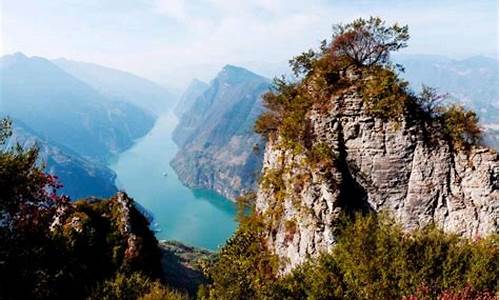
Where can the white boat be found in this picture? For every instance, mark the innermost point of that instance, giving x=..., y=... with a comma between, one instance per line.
x=165, y=174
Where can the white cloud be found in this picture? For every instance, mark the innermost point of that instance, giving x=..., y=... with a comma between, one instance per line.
x=175, y=9
x=172, y=41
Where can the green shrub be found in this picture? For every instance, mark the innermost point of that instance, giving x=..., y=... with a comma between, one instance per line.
x=266, y=124
x=318, y=279
x=374, y=258
x=385, y=94
x=135, y=286
x=287, y=105
x=461, y=125
x=321, y=155
x=159, y=292
x=244, y=268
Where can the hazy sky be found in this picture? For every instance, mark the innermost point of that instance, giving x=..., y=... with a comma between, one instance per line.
x=171, y=41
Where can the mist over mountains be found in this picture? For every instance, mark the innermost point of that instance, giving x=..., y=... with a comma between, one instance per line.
x=249, y=150
x=67, y=110
x=324, y=153
x=81, y=177
x=95, y=112
x=120, y=86
x=472, y=82
x=79, y=122
x=208, y=115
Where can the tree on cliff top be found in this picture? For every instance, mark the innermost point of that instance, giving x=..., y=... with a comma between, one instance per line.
x=368, y=42
x=363, y=43
x=359, y=56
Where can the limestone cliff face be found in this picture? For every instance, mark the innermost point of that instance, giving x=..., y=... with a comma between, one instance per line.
x=377, y=166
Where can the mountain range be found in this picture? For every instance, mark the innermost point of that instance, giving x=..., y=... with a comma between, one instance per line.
x=120, y=85
x=79, y=176
x=472, y=82
x=78, y=115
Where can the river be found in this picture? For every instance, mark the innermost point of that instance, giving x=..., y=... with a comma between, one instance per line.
x=199, y=218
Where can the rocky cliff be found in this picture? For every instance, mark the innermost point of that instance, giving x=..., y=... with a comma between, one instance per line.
x=373, y=165
x=218, y=147
x=133, y=242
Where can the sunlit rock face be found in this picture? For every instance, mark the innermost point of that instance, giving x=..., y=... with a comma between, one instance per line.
x=378, y=166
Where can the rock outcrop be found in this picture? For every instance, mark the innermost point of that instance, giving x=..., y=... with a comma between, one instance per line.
x=133, y=245
x=376, y=166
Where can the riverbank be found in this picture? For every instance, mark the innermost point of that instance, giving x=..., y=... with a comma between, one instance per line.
x=199, y=218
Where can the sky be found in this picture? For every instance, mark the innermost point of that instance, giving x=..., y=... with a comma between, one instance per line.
x=173, y=41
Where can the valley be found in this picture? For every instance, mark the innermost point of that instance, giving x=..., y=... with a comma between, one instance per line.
x=196, y=217
x=341, y=181
x=249, y=150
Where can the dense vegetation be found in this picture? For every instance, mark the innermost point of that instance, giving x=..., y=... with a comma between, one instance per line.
x=374, y=258
x=358, y=60
x=55, y=249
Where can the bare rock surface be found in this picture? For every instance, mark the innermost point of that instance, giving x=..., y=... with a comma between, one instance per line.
x=378, y=166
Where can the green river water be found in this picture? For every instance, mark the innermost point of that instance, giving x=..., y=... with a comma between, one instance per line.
x=196, y=217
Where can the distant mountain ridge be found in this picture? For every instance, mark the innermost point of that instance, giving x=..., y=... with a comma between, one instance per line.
x=216, y=136
x=71, y=113
x=120, y=85
x=193, y=91
x=77, y=128
x=472, y=81
x=80, y=177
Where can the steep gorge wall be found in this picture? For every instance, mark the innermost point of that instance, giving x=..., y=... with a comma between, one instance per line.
x=376, y=166
x=216, y=137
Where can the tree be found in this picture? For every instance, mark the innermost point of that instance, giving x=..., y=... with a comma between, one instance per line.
x=461, y=125
x=5, y=129
x=28, y=201
x=430, y=101
x=27, y=190
x=367, y=42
